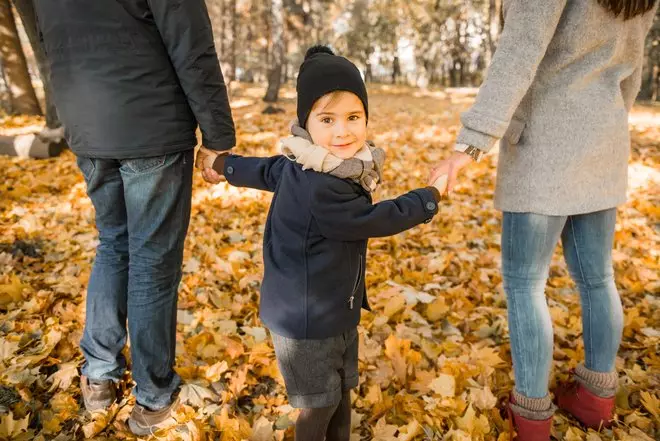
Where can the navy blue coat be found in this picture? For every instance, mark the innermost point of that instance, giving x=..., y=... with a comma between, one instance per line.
x=134, y=78
x=315, y=243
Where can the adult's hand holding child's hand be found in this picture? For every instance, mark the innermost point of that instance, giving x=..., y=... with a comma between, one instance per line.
x=204, y=161
x=443, y=175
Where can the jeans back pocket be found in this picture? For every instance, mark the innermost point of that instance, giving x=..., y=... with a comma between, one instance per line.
x=142, y=165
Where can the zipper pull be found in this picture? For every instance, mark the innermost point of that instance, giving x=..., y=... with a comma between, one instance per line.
x=350, y=302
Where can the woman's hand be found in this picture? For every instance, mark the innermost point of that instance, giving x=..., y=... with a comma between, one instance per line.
x=450, y=168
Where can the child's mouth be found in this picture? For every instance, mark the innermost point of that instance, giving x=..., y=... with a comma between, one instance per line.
x=342, y=146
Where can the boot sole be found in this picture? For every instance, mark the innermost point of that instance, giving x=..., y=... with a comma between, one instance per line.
x=98, y=406
x=139, y=430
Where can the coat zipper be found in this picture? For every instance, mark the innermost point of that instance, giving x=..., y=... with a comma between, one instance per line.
x=351, y=299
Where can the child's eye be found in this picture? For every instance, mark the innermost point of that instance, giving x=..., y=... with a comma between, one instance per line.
x=354, y=117
x=326, y=120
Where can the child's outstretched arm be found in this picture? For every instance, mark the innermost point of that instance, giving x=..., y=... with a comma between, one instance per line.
x=252, y=172
x=342, y=214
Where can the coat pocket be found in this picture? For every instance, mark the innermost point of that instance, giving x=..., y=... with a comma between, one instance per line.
x=515, y=131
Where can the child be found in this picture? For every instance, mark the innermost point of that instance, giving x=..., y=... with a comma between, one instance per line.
x=315, y=240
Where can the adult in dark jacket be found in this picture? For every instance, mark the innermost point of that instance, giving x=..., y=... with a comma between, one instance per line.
x=132, y=80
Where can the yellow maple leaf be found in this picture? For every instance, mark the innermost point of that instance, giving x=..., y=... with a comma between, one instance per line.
x=12, y=291
x=262, y=430
x=396, y=350
x=472, y=424
x=652, y=404
x=437, y=309
x=444, y=385
x=395, y=305
x=66, y=373
x=409, y=432
x=196, y=395
x=9, y=427
x=574, y=434
x=384, y=431
x=214, y=372
x=483, y=399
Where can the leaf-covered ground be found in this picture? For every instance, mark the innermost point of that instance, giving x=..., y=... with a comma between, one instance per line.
x=434, y=354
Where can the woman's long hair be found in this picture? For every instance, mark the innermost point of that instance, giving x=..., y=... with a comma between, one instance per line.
x=627, y=8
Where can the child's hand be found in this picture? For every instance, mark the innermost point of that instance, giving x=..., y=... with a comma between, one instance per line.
x=441, y=184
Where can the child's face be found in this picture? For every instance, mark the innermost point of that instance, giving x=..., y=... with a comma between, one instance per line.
x=338, y=123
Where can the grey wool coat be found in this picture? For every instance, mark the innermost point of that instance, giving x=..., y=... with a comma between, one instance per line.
x=558, y=92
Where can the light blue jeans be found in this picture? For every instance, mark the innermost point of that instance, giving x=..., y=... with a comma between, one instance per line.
x=142, y=215
x=528, y=243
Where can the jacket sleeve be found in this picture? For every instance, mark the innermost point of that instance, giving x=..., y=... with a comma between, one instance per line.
x=528, y=30
x=259, y=173
x=632, y=84
x=343, y=214
x=185, y=28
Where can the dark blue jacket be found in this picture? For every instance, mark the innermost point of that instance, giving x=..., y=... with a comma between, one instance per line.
x=133, y=78
x=315, y=243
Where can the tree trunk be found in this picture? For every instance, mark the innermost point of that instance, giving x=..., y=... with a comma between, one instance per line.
x=277, y=56
x=223, y=42
x=268, y=18
x=5, y=101
x=494, y=25
x=25, y=10
x=396, y=69
x=21, y=92
x=234, y=39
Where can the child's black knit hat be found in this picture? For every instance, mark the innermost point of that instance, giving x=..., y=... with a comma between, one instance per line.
x=323, y=72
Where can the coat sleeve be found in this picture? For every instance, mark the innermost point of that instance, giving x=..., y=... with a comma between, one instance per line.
x=632, y=84
x=185, y=29
x=528, y=30
x=259, y=173
x=343, y=214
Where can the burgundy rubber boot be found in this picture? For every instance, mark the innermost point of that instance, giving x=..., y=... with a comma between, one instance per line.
x=591, y=410
x=527, y=429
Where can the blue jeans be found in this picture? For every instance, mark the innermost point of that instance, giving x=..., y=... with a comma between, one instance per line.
x=528, y=243
x=142, y=215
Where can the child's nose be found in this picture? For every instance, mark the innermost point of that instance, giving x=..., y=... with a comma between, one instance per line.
x=341, y=129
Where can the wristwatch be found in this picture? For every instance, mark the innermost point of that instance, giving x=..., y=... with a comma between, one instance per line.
x=471, y=150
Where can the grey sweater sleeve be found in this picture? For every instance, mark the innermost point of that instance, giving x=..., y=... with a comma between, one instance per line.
x=186, y=30
x=632, y=84
x=529, y=28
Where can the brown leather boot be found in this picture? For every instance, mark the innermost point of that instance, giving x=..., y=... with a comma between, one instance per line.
x=146, y=422
x=97, y=395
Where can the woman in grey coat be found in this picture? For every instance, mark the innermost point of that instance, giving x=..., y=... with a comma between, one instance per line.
x=558, y=92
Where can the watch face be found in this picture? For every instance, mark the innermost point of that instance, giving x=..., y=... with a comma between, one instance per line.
x=474, y=152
